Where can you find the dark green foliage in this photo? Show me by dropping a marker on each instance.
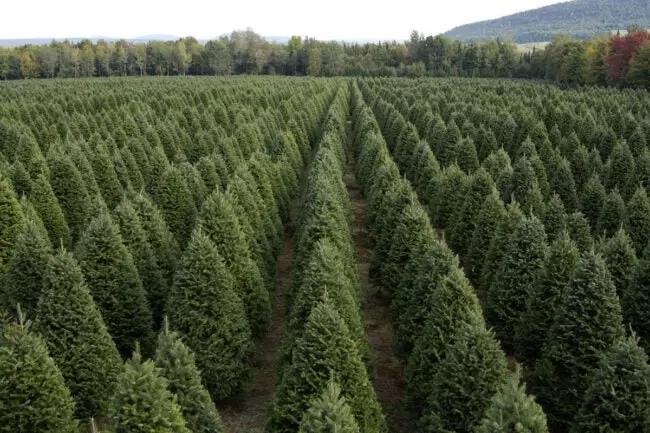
(48, 208)
(325, 351)
(175, 200)
(142, 403)
(592, 200)
(466, 157)
(12, 223)
(562, 183)
(219, 222)
(525, 188)
(591, 314)
(204, 307)
(144, 256)
(177, 364)
(473, 370)
(578, 229)
(71, 193)
(104, 171)
(618, 396)
(620, 258)
(20, 179)
(512, 410)
(637, 219)
(329, 413)
(499, 243)
(23, 282)
(77, 338)
(447, 194)
(30, 376)
(519, 271)
(612, 214)
(115, 285)
(446, 149)
(636, 300)
(554, 218)
(620, 167)
(545, 298)
(449, 303)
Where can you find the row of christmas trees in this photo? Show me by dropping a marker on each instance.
(553, 301)
(127, 271)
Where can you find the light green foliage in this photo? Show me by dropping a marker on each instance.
(329, 413)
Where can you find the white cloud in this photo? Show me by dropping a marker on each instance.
(332, 19)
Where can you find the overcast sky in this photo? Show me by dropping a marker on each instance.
(324, 19)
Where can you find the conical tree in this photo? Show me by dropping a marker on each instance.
(618, 396)
(637, 219)
(586, 324)
(620, 167)
(219, 222)
(544, 299)
(115, 285)
(23, 282)
(48, 208)
(621, 260)
(562, 183)
(451, 301)
(77, 337)
(499, 243)
(104, 171)
(446, 194)
(636, 300)
(329, 413)
(512, 410)
(578, 228)
(488, 219)
(144, 256)
(519, 271)
(33, 395)
(176, 204)
(325, 351)
(142, 403)
(554, 218)
(177, 364)
(473, 370)
(204, 307)
(592, 200)
(12, 223)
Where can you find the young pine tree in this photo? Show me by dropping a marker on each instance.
(176, 203)
(618, 395)
(33, 395)
(115, 285)
(329, 413)
(204, 307)
(76, 336)
(637, 220)
(142, 403)
(12, 223)
(177, 364)
(48, 208)
(490, 215)
(621, 260)
(586, 324)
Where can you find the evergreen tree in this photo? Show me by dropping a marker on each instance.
(587, 322)
(511, 410)
(104, 171)
(519, 271)
(618, 396)
(76, 336)
(449, 303)
(115, 285)
(472, 371)
(142, 403)
(636, 300)
(525, 187)
(71, 193)
(325, 351)
(554, 218)
(544, 299)
(637, 219)
(592, 200)
(620, 167)
(329, 413)
(33, 395)
(219, 222)
(578, 228)
(176, 203)
(204, 306)
(446, 194)
(48, 209)
(499, 243)
(621, 260)
(12, 223)
(177, 364)
(467, 157)
(563, 184)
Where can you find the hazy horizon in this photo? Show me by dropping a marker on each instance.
(334, 20)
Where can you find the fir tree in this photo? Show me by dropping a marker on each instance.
(325, 351)
(12, 225)
(142, 403)
(115, 285)
(204, 307)
(33, 395)
(621, 260)
(104, 171)
(554, 218)
(176, 204)
(499, 243)
(578, 228)
(467, 157)
(592, 200)
(511, 410)
(449, 303)
(637, 219)
(77, 337)
(71, 193)
(177, 364)
(329, 413)
(48, 208)
(618, 396)
(519, 271)
(620, 167)
(472, 371)
(587, 322)
(562, 183)
(636, 299)
(23, 282)
(544, 299)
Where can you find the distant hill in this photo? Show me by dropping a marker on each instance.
(581, 19)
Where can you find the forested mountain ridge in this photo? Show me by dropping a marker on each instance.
(581, 19)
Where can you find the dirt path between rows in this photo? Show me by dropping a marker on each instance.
(246, 413)
(389, 383)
